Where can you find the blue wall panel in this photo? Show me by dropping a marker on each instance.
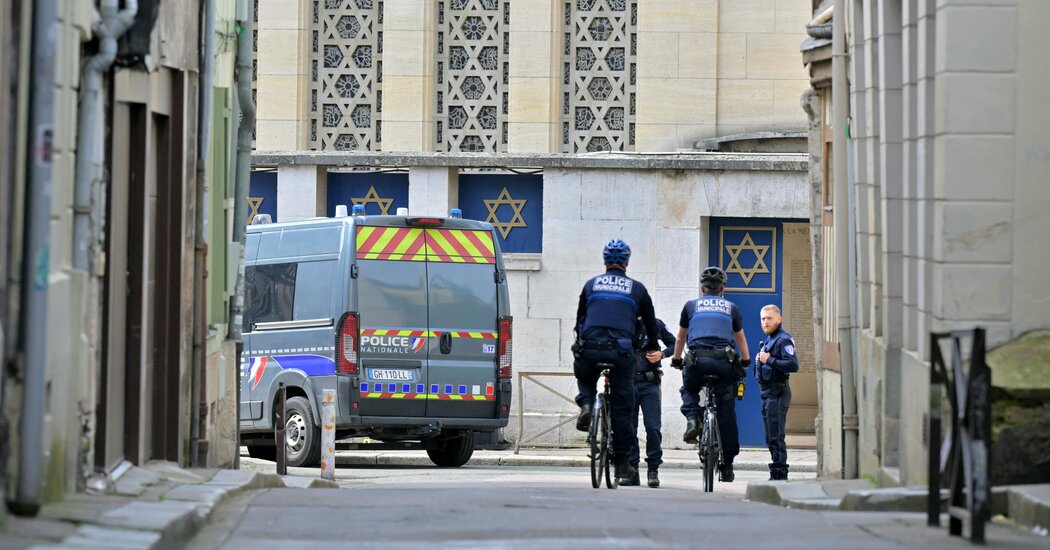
(513, 203)
(380, 193)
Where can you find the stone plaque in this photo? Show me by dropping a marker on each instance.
(798, 292)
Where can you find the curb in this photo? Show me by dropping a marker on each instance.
(181, 511)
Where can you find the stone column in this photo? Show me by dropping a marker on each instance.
(302, 192)
(409, 46)
(534, 113)
(432, 190)
(282, 74)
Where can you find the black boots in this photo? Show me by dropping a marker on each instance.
(583, 423)
(778, 474)
(692, 429)
(626, 472)
(654, 478)
(631, 481)
(726, 474)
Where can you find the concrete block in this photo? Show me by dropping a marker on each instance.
(745, 102)
(895, 499)
(732, 55)
(661, 101)
(530, 101)
(301, 192)
(92, 536)
(974, 167)
(174, 521)
(278, 54)
(297, 482)
(974, 103)
(974, 232)
(531, 54)
(135, 481)
(694, 55)
(792, 15)
(964, 297)
(553, 294)
(678, 16)
(564, 201)
(752, 16)
(404, 15)
(605, 193)
(675, 253)
(956, 48)
(531, 137)
(1029, 505)
(683, 199)
(246, 479)
(774, 56)
(169, 471)
(658, 55)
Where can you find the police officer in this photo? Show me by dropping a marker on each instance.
(647, 375)
(775, 360)
(607, 328)
(713, 329)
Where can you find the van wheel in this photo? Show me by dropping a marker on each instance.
(301, 434)
(452, 451)
(263, 452)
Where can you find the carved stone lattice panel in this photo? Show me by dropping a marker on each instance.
(597, 75)
(346, 75)
(473, 45)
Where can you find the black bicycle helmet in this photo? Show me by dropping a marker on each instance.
(713, 274)
(616, 252)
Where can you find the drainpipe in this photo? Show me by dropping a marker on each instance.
(88, 182)
(36, 266)
(240, 197)
(843, 246)
(199, 414)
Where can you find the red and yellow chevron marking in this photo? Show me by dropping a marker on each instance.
(473, 334)
(384, 395)
(390, 243)
(460, 246)
(396, 332)
(444, 397)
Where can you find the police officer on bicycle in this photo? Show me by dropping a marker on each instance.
(647, 375)
(607, 318)
(712, 327)
(774, 361)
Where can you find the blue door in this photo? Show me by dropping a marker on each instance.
(748, 249)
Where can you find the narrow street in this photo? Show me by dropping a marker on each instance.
(545, 507)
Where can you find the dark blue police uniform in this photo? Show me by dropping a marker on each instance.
(607, 327)
(647, 400)
(712, 322)
(772, 378)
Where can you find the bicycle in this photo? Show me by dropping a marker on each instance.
(710, 448)
(600, 436)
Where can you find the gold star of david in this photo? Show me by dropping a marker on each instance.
(504, 198)
(255, 203)
(747, 243)
(373, 198)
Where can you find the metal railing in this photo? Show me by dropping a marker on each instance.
(531, 376)
(963, 465)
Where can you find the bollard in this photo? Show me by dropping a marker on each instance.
(328, 435)
(279, 421)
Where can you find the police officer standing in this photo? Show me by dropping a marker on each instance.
(775, 360)
(713, 329)
(607, 328)
(647, 376)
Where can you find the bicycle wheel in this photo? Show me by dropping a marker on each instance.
(593, 437)
(710, 456)
(610, 476)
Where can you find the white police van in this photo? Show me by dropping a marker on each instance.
(407, 318)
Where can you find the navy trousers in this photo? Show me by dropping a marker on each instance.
(621, 386)
(647, 400)
(725, 393)
(776, 399)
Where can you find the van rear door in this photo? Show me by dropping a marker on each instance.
(461, 281)
(392, 301)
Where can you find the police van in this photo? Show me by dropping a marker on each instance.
(406, 318)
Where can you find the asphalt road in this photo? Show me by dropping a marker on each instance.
(543, 507)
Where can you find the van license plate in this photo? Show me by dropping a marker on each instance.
(390, 374)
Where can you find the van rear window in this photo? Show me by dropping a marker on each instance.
(269, 293)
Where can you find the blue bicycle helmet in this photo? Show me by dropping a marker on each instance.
(616, 252)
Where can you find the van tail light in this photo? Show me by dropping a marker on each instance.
(426, 222)
(348, 343)
(505, 347)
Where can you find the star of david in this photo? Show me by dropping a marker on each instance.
(516, 220)
(747, 243)
(373, 198)
(254, 203)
